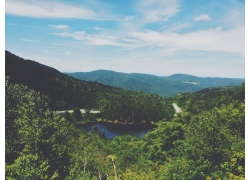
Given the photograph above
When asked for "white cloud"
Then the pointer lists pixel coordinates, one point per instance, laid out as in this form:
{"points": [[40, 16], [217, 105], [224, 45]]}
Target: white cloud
{"points": [[104, 41], [60, 26], [128, 18], [234, 18], [150, 38], [78, 35], [131, 40], [174, 27], [48, 9], [216, 29], [216, 40], [67, 53], [202, 17], [226, 41], [31, 40], [158, 10], [98, 28], [207, 40], [91, 39]]}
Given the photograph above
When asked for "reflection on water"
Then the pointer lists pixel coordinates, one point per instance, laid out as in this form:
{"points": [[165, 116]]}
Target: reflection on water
{"points": [[115, 129]]}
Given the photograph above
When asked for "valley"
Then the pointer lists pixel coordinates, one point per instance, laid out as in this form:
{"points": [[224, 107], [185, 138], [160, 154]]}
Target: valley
{"points": [[60, 127]]}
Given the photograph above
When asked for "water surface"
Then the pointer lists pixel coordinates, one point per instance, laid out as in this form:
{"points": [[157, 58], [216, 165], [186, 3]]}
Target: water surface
{"points": [[115, 129]]}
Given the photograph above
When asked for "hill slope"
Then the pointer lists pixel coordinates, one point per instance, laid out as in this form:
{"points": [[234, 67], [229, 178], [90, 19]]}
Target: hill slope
{"points": [[164, 86], [64, 92], [204, 82], [67, 92]]}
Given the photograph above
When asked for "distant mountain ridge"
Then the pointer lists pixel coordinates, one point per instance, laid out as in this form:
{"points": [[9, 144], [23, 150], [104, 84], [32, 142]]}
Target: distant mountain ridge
{"points": [[163, 85]]}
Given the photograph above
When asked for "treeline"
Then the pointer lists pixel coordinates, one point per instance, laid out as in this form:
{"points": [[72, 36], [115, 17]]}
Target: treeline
{"points": [[40, 145], [207, 99], [136, 107]]}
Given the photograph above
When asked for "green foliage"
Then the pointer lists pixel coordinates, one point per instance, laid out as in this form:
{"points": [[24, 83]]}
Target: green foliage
{"points": [[77, 114], [206, 141], [136, 107], [36, 137], [211, 141], [68, 117], [235, 167], [207, 99], [29, 167], [66, 92], [161, 143]]}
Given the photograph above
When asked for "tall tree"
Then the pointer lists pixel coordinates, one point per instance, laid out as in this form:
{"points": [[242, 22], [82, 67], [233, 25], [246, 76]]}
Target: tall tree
{"points": [[36, 138]]}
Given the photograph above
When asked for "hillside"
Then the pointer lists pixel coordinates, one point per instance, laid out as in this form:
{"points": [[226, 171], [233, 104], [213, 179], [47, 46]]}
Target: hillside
{"points": [[64, 92], [164, 86], [209, 98], [204, 82], [67, 92]]}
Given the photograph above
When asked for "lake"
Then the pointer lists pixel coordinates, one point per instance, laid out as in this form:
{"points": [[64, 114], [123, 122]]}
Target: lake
{"points": [[115, 129]]}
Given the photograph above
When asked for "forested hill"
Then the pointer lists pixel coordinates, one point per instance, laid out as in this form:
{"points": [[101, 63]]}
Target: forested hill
{"points": [[164, 86], [67, 92], [64, 92], [209, 98], [204, 82]]}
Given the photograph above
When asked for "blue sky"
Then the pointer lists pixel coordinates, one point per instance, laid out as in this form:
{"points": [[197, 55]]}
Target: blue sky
{"points": [[161, 37]]}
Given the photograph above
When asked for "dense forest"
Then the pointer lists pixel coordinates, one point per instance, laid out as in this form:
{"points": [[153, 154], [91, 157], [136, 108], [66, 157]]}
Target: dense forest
{"points": [[66, 92], [165, 86], [205, 141]]}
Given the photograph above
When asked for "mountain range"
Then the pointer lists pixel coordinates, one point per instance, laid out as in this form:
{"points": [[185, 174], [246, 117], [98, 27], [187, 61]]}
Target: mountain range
{"points": [[81, 89], [165, 86]]}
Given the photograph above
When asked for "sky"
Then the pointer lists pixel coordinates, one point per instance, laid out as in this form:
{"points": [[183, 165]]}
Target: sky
{"points": [[204, 38]]}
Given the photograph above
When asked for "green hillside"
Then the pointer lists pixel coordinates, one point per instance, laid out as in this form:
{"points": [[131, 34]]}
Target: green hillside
{"points": [[164, 86], [204, 82], [66, 92]]}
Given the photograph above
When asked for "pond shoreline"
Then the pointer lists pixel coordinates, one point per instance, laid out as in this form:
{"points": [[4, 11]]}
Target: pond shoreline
{"points": [[112, 129], [111, 122]]}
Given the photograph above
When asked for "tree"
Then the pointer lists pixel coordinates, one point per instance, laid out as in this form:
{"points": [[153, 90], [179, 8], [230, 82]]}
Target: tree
{"points": [[112, 157], [39, 139], [67, 116], [163, 140], [77, 114]]}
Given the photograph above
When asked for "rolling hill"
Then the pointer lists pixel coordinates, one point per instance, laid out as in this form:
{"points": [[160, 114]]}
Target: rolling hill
{"points": [[165, 86], [66, 92], [204, 82]]}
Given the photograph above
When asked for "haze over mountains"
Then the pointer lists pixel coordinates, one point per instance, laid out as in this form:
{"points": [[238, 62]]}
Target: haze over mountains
{"points": [[165, 85]]}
